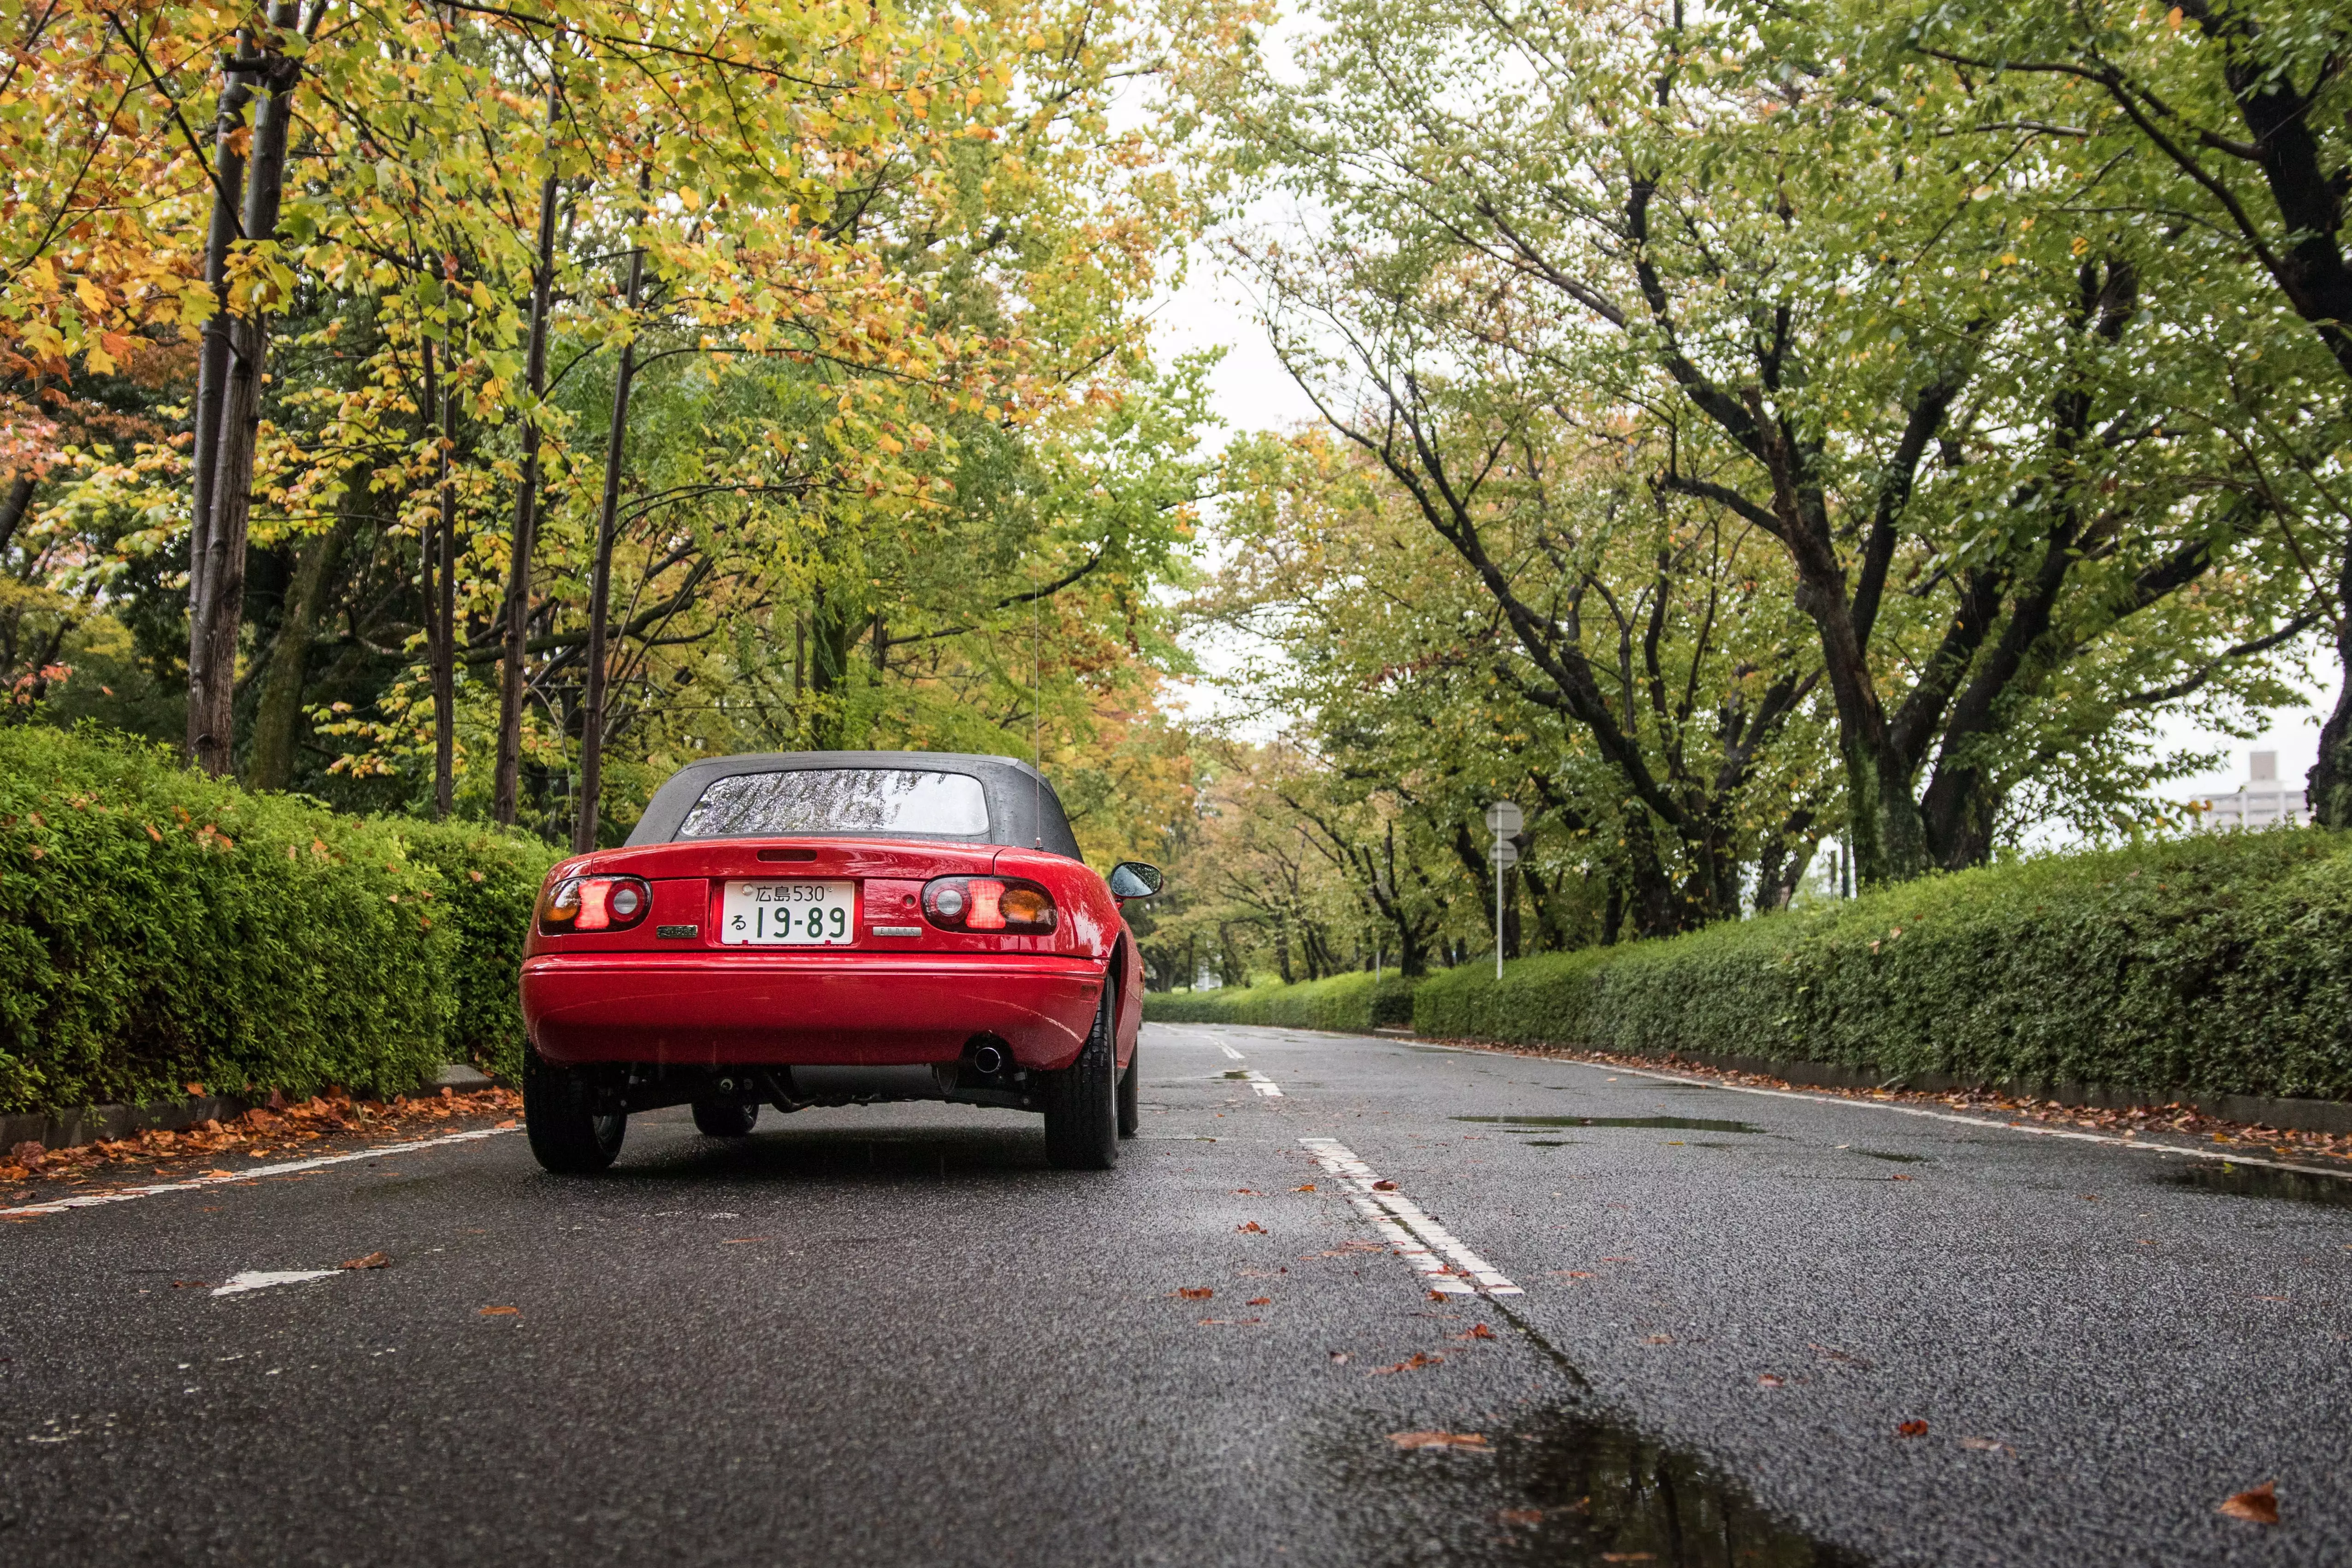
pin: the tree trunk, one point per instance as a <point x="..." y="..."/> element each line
<point x="18" y="502"/>
<point x="600" y="582"/>
<point x="211" y="377"/>
<point x="506" y="784"/>
<point x="211" y="711"/>
<point x="269" y="763"/>
<point x="2330" y="781"/>
<point x="441" y="594"/>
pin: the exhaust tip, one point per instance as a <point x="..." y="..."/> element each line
<point x="988" y="1061"/>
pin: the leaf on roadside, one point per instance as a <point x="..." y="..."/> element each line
<point x="1911" y="1429"/>
<point x="369" y="1260"/>
<point x="1252" y="1228"/>
<point x="1772" y="1380"/>
<point x="1898" y="1177"/>
<point x="1477" y="1331"/>
<point x="1307" y="1188"/>
<point x="1384" y="1187"/>
<point x="1196" y="1292"/>
<point x="1259" y="1301"/>
<point x="1411" y="1440"/>
<point x="501" y="1311"/>
<point x="1988" y="1445"/>
<point x="2256" y="1505"/>
<point x="1413" y="1363"/>
<point x="1519" y="1516"/>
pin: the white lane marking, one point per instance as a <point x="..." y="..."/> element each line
<point x="1266" y="1088"/>
<point x="263" y="1279"/>
<point x="2225" y="1155"/>
<point x="1229" y="1051"/>
<point x="196" y="1184"/>
<point x="1405" y="1227"/>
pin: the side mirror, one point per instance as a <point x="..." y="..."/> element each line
<point x="1134" y="879"/>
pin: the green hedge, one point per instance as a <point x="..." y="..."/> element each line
<point x="160" y="927"/>
<point x="2217" y="965"/>
<point x="1343" y="1001"/>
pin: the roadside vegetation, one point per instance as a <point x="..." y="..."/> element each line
<point x="160" y="929"/>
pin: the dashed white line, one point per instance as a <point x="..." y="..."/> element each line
<point x="285" y="1167"/>
<point x="1266" y="1088"/>
<point x="1409" y="1232"/>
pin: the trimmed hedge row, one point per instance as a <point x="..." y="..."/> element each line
<point x="159" y="927"/>
<point x="1343" y="1001"/>
<point x="2216" y="964"/>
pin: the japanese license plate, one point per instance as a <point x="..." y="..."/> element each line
<point x="788" y="914"/>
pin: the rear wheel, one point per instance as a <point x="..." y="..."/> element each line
<point x="1082" y="1099"/>
<point x="1130" y="1114"/>
<point x="570" y="1135"/>
<point x="723" y="1119"/>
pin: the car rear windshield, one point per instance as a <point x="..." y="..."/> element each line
<point x="839" y="800"/>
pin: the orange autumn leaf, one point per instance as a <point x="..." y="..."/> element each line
<point x="2256" y="1505"/>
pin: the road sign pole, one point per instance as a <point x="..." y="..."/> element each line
<point x="1504" y="819"/>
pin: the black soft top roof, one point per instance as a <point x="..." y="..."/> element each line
<point x="1023" y="812"/>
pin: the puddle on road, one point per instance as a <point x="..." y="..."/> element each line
<point x="1560" y="1484"/>
<point x="2261" y="1182"/>
<point x="1687" y="1124"/>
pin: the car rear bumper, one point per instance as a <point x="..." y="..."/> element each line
<point x="798" y="1010"/>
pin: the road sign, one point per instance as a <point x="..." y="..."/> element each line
<point x="1505" y="818"/>
<point x="1504" y="853"/>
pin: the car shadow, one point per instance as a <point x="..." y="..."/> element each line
<point x="896" y="1154"/>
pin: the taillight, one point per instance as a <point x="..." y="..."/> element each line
<point x="989" y="903"/>
<point x="594" y="903"/>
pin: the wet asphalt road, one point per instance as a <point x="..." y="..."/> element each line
<point x="893" y="1336"/>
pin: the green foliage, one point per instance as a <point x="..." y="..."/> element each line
<point x="2218" y="965"/>
<point x="490" y="879"/>
<point x="1343" y="1001"/>
<point x="159" y="927"/>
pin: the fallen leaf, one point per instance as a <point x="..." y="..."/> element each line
<point x="1437" y="1294"/>
<point x="1252" y="1228"/>
<point x="191" y="1284"/>
<point x="501" y="1311"/>
<point x="1384" y="1187"/>
<point x="1247" y="1192"/>
<point x="1307" y="1188"/>
<point x="1660" y="1340"/>
<point x="510" y="1121"/>
<point x="2256" y="1505"/>
<point x="1259" y="1301"/>
<point x="1573" y="1273"/>
<point x="1986" y="1446"/>
<point x="1477" y="1331"/>
<point x="1521" y="1516"/>
<point x="1413" y="1363"/>
<point x="1899" y="1178"/>
<point x="1772" y="1380"/>
<point x="1410" y="1440"/>
<point x="1912" y="1429"/>
<point x="372" y="1260"/>
<point x="1196" y="1292"/>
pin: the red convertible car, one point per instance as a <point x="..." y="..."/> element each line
<point x="835" y="928"/>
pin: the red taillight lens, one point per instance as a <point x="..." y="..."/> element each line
<point x="594" y="903"/>
<point x="989" y="904"/>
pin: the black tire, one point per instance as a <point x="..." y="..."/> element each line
<point x="1082" y="1099"/>
<point x="1131" y="1112"/>
<point x="569" y="1135"/>
<point x="724" y="1118"/>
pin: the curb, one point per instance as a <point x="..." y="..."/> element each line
<point x="93" y="1123"/>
